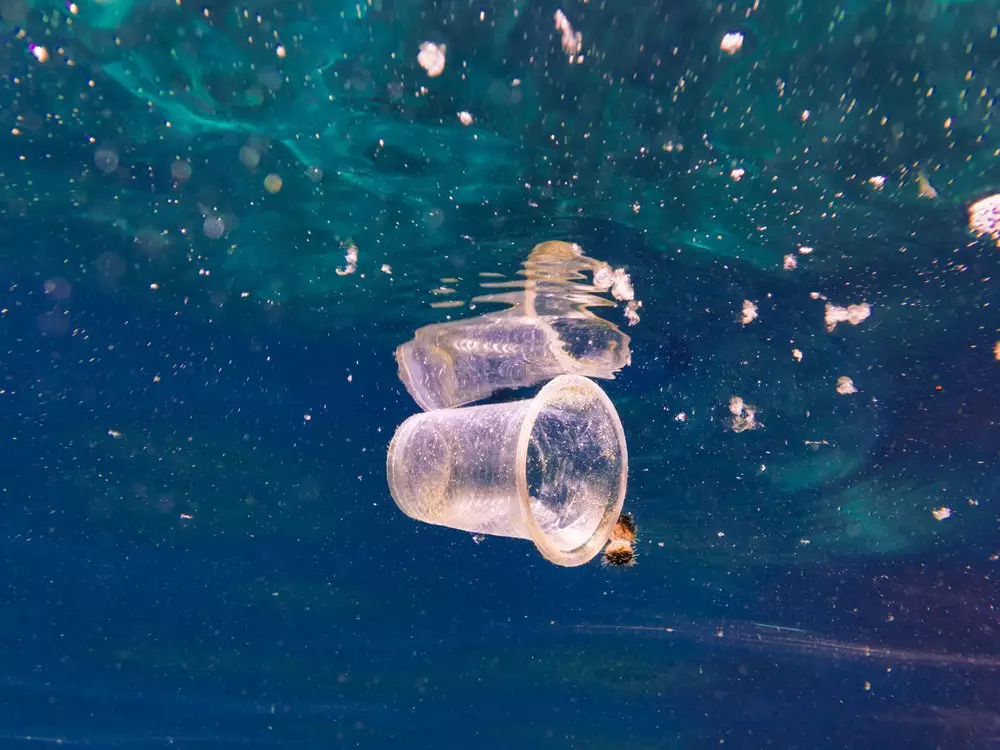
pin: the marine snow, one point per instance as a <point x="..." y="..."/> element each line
<point x="432" y="58"/>
<point x="732" y="42"/>
<point x="572" y="41"/>
<point x="350" y="260"/>
<point x="744" y="416"/>
<point x="984" y="217"/>
<point x="852" y="314"/>
<point x="845" y="386"/>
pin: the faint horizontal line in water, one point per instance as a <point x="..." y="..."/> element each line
<point x="138" y="740"/>
<point x="803" y="642"/>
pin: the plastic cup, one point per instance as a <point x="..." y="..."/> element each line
<point x="463" y="361"/>
<point x="549" y="330"/>
<point x="552" y="469"/>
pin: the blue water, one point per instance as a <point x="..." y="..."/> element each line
<point x="199" y="547"/>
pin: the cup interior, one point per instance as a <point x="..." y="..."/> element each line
<point x="572" y="469"/>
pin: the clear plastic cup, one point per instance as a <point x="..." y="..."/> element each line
<point x="552" y="469"/>
<point x="463" y="361"/>
<point x="548" y="330"/>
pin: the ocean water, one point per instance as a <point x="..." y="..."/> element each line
<point x="218" y="221"/>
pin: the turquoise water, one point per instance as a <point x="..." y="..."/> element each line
<point x="219" y="221"/>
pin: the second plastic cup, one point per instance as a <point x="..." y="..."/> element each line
<point x="552" y="469"/>
<point x="462" y="361"/>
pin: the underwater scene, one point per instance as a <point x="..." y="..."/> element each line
<point x="493" y="375"/>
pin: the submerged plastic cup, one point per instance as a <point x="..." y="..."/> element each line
<point x="551" y="469"/>
<point x="462" y="361"/>
<point x="549" y="330"/>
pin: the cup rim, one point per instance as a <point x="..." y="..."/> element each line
<point x="585" y="552"/>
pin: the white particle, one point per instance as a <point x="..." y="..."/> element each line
<point x="732" y="42"/>
<point x="432" y="58"/>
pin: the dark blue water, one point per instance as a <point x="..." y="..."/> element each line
<point x="199" y="548"/>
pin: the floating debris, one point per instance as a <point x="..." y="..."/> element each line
<point x="272" y="183"/>
<point x="432" y="58"/>
<point x="797" y="355"/>
<point x="621" y="288"/>
<point x="351" y="258"/>
<point x="790" y="263"/>
<point x="926" y="189"/>
<point x="631" y="312"/>
<point x="941" y="513"/>
<point x="249" y="156"/>
<point x="214" y="227"/>
<point x="619" y="283"/>
<point x="625" y="529"/>
<point x="852" y="314"/>
<point x="732" y="42"/>
<point x="572" y="41"/>
<point x="465" y="118"/>
<point x="744" y="415"/>
<point x="619" y="551"/>
<point x="749" y="314"/>
<point x="181" y="170"/>
<point x="547" y="330"/>
<point x="845" y="386"/>
<point x="619" y="554"/>
<point x="984" y="218"/>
